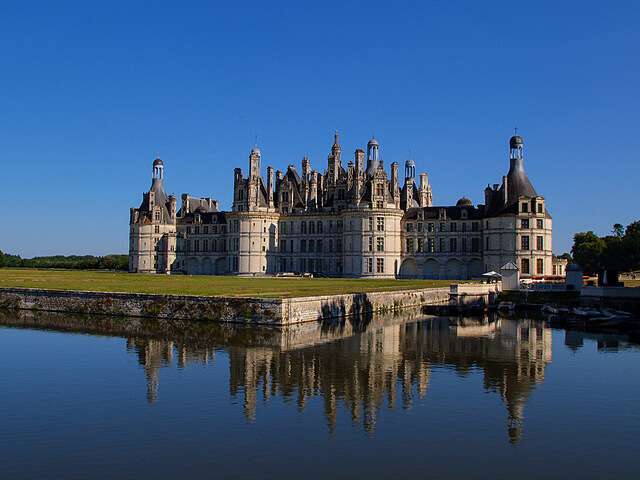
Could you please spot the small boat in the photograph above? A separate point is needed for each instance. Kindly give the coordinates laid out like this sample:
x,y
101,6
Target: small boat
x,y
508,306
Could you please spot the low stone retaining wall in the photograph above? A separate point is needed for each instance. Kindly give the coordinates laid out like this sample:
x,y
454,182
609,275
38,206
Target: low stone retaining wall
x,y
220,309
306,309
287,311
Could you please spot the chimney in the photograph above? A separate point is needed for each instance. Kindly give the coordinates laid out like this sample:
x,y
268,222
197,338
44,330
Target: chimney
x,y
270,186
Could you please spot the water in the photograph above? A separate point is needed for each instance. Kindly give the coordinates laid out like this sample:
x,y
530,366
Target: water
x,y
392,396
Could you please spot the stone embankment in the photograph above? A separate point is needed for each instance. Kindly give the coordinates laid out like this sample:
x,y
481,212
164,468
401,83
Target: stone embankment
x,y
286,311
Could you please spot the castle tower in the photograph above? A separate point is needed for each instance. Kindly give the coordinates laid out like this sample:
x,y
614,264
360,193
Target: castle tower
x,y
335,160
254,163
152,228
373,155
426,197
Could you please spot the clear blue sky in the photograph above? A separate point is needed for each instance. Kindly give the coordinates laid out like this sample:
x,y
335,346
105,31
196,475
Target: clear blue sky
x,y
89,94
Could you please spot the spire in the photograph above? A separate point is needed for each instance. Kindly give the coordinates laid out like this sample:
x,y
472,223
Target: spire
x,y
336,139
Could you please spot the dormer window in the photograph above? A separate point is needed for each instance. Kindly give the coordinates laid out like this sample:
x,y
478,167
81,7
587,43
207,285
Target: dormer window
x,y
540,208
524,207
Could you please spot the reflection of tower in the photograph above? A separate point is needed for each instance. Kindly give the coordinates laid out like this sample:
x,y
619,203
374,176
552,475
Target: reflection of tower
x,y
531,352
152,355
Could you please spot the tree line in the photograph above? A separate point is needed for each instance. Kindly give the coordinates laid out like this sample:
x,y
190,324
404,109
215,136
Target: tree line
x,y
615,253
80,262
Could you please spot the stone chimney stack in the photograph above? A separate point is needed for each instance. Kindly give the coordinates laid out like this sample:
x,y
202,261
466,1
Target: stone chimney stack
x,y
395,187
172,207
505,183
313,195
306,168
270,186
425,191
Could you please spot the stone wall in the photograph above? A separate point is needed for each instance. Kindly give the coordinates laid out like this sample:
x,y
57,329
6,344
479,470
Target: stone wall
x,y
245,310
288,311
306,309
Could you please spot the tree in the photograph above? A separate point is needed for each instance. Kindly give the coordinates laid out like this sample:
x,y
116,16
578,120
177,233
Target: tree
x,y
587,251
566,256
631,246
618,230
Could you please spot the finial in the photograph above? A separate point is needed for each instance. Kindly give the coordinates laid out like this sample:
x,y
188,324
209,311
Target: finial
x,y
336,138
515,130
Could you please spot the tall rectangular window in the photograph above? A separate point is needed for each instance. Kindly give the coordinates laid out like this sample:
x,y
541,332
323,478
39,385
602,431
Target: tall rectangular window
x,y
524,223
524,266
369,265
453,244
475,245
539,242
431,248
379,265
463,247
370,249
524,207
540,224
540,266
524,242
430,227
454,227
303,227
442,245
409,245
380,224
371,224
303,246
380,244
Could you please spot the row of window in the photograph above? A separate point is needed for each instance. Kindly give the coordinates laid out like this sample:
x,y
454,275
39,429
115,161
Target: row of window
x,y
525,266
524,242
524,223
312,265
418,245
205,229
429,227
379,265
205,245
536,207
311,245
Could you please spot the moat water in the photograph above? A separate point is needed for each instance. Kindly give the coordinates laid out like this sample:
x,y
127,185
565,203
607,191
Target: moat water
x,y
386,397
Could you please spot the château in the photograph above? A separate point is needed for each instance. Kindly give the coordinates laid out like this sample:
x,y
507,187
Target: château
x,y
353,220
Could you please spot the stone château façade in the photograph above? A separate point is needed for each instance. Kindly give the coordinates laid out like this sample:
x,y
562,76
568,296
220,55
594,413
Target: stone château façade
x,y
353,221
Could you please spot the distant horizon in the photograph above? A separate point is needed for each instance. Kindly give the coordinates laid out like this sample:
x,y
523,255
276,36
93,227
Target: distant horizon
x,y
92,92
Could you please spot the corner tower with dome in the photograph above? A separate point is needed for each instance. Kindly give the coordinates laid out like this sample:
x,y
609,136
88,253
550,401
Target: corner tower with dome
x,y
353,220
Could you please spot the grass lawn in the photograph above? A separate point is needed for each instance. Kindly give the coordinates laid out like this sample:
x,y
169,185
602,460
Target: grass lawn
x,y
265,287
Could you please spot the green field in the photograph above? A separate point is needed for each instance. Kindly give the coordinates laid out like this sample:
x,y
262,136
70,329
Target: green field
x,y
264,287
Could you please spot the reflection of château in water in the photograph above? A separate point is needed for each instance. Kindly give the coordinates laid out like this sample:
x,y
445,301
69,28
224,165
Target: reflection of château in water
x,y
153,354
388,361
